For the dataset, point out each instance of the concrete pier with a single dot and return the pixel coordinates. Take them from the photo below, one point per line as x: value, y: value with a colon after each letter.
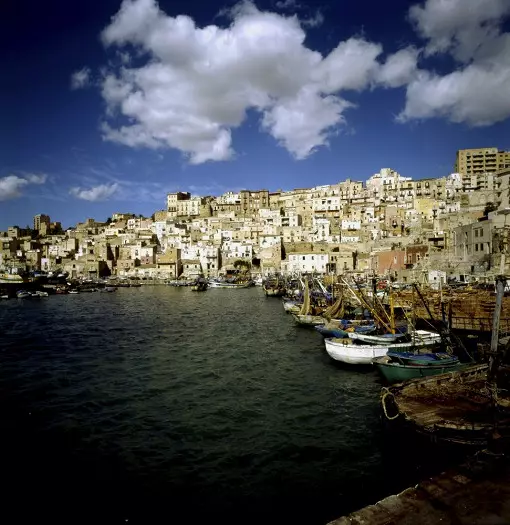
x: 477, y: 492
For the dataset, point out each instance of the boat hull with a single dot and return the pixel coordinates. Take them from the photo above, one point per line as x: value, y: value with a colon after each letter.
x: 309, y: 320
x: 419, y: 335
x: 352, y: 354
x: 396, y: 372
x: 213, y: 284
x: 347, y: 351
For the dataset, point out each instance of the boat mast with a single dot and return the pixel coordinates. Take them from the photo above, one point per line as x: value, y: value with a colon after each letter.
x: 492, y: 373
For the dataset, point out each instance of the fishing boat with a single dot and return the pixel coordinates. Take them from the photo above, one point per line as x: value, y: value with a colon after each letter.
x: 200, y: 285
x: 273, y: 288
x: 469, y: 406
x: 11, y: 278
x: 348, y: 351
x: 227, y: 284
x: 415, y: 335
x: 291, y: 306
x: 395, y: 367
x: 307, y: 316
x: 339, y: 331
x: 331, y: 333
x: 39, y: 293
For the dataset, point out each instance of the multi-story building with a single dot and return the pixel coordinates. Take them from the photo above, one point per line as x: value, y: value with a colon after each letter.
x: 41, y: 219
x: 481, y: 160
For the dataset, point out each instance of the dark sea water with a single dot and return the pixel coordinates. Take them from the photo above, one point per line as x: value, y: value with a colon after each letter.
x: 161, y: 405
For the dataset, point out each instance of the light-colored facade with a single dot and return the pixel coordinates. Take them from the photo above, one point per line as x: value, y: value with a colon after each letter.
x: 481, y: 160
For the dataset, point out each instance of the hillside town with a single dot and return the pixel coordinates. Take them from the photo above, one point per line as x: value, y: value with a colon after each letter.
x: 429, y: 230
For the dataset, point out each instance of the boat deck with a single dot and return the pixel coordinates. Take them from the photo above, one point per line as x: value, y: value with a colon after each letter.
x: 477, y: 492
x: 455, y: 406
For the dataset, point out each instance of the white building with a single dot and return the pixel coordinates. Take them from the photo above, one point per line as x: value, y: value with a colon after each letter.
x: 308, y: 262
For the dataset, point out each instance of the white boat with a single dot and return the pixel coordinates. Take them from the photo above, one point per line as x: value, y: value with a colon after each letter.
x: 11, y: 278
x: 418, y: 336
x: 74, y: 291
x: 291, y: 306
x: 347, y: 351
x: 4, y: 297
x: 258, y: 280
x: 224, y: 284
x: 39, y: 293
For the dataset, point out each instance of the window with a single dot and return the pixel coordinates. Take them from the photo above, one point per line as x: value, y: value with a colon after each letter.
x: 476, y: 247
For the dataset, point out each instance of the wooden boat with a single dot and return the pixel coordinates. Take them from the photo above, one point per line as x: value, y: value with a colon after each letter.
x: 395, y: 369
x: 309, y: 320
x: 291, y: 306
x: 231, y: 285
x: 347, y: 351
x: 273, y: 288
x: 416, y: 335
x: 455, y: 407
x: 331, y: 333
x: 306, y: 315
x: 12, y: 278
x: 199, y: 286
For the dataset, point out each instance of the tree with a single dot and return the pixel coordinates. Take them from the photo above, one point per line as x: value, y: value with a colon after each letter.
x: 239, y: 264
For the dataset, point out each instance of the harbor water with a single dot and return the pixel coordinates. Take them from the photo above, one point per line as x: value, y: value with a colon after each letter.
x: 161, y: 405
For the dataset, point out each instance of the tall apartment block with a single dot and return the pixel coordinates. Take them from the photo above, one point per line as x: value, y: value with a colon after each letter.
x: 481, y: 160
x: 40, y: 220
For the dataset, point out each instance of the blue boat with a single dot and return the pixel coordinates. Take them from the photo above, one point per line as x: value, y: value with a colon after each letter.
x: 331, y: 332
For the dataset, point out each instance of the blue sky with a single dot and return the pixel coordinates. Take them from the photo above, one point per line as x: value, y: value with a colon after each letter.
x: 107, y: 106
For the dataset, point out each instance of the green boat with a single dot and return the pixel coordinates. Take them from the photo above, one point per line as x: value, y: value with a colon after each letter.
x: 395, y: 372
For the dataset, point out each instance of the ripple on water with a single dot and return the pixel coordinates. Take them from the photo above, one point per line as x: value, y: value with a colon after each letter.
x: 157, y: 400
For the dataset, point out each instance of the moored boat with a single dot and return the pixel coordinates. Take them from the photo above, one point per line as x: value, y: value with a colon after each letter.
x: 23, y: 294
x: 417, y: 336
x: 347, y: 351
x: 395, y: 368
x: 232, y: 285
x: 309, y: 320
x: 200, y: 285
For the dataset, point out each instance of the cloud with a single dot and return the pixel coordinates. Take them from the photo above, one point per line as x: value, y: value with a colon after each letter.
x: 315, y: 21
x: 12, y: 185
x: 191, y: 86
x: 473, y: 93
x: 399, y: 69
x: 287, y: 4
x: 197, y: 84
x: 458, y: 26
x: 96, y: 193
x: 36, y: 179
x: 81, y: 78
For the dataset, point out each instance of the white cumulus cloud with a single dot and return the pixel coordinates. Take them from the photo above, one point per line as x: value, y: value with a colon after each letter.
x: 11, y: 186
x: 96, y: 193
x: 475, y: 92
x: 198, y: 83
x: 399, y: 69
x: 81, y: 78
